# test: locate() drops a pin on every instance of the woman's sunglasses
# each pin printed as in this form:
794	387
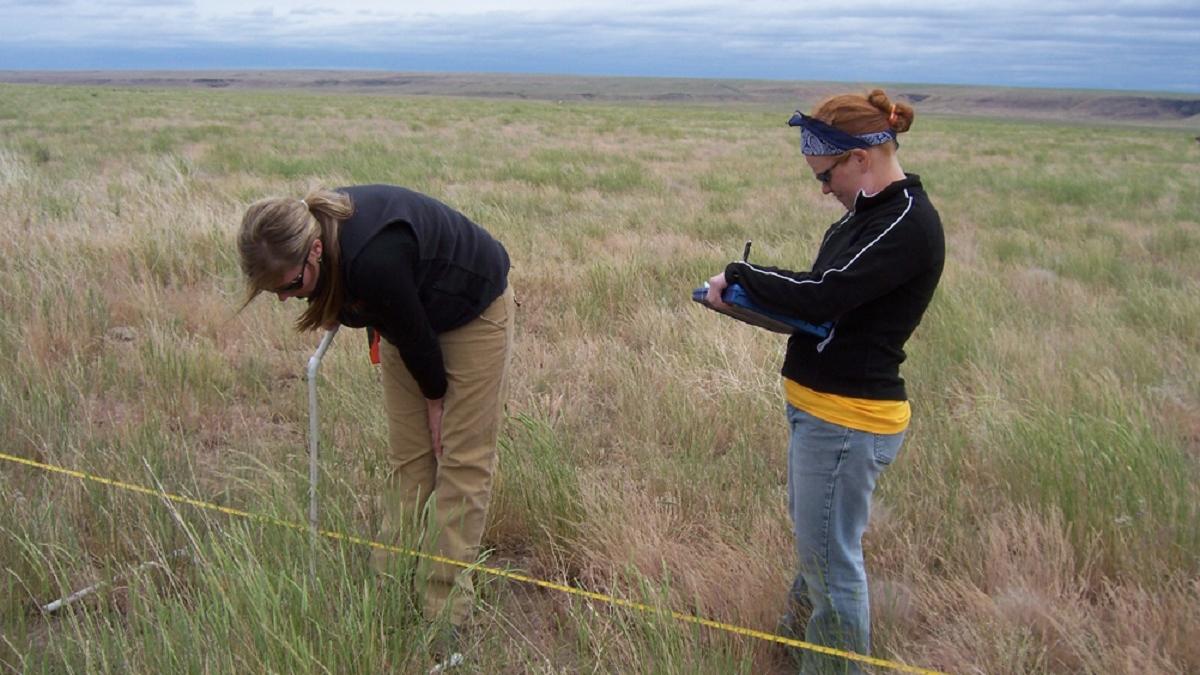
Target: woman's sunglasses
827	175
298	281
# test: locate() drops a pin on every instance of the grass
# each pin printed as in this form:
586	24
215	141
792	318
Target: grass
1042	515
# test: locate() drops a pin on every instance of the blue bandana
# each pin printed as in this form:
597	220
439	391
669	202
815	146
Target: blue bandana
818	139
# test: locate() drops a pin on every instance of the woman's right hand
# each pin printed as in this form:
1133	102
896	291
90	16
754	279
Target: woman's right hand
716	286
434	411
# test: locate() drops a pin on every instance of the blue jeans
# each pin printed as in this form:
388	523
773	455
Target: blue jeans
831	475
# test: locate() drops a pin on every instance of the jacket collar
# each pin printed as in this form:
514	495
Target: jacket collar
866	202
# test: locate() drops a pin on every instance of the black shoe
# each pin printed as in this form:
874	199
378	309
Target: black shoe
454	660
793	621
447	650
792	625
792	628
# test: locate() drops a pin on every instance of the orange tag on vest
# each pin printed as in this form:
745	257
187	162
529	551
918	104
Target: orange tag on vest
373	342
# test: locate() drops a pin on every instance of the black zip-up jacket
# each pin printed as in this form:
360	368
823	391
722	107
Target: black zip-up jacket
414	268
874	275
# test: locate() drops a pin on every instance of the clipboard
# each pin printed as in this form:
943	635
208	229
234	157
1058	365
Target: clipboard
742	308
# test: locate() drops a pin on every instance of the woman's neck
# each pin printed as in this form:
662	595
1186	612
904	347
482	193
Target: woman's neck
884	171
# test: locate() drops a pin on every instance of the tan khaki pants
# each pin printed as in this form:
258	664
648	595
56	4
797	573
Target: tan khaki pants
440	505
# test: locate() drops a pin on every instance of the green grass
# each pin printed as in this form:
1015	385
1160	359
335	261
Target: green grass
1042	515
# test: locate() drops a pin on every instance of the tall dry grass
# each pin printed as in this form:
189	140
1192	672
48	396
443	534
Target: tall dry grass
1041	517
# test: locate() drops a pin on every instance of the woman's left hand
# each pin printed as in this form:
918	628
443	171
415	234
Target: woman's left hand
434	411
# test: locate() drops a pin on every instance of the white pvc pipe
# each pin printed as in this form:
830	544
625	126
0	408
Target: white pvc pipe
314	362
84	592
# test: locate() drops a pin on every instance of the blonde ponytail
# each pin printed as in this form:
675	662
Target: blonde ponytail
277	233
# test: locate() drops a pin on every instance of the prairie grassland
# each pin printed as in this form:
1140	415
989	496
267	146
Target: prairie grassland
1042	517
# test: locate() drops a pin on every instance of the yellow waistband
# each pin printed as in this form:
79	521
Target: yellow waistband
863	414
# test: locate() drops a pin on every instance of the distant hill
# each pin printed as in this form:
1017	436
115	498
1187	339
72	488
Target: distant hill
1067	104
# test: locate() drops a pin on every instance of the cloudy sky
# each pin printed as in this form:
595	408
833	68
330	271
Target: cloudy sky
1147	45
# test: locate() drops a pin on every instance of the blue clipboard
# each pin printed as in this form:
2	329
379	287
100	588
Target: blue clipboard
742	308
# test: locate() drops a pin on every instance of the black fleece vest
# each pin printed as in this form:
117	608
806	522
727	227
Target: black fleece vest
461	268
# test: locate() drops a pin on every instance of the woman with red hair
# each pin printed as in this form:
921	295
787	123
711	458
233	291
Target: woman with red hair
847	407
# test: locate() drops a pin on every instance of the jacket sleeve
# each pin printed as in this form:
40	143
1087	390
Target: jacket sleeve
384	273
886	254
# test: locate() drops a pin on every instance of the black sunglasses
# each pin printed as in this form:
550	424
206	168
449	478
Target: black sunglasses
298	281
827	175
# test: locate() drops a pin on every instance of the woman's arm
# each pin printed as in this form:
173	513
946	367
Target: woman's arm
885	255
382	278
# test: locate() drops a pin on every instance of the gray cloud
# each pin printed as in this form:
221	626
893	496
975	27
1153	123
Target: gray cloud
1051	43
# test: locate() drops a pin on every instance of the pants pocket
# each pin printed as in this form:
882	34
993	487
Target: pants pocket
816	446
499	313
886	447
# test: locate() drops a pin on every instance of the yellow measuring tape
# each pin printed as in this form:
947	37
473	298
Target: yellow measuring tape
494	571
